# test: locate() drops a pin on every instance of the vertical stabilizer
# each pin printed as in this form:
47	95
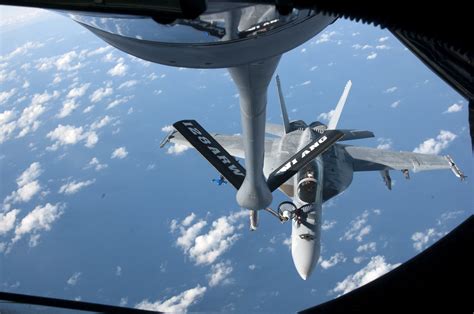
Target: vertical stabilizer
284	113
340	105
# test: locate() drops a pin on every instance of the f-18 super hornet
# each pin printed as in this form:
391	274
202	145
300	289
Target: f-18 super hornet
309	164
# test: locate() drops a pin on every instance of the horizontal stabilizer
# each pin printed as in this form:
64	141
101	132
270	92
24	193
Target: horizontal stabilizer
350	135
302	158
227	165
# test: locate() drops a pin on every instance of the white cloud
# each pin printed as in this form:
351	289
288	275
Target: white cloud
22	50
119	153
390	90
179	303
177	149
206	248
358	228
28	185
362	47
188	220
119	69
99	51
421	239
7	126
372	56
74	187
326	116
118	101
451	109
368	247
374	269
64	62
101	93
7	221
88	109
4	96
68	107
287	242
325	37
303	50
384	143
28	120
188	236
98	124
382	39
118	271
128	84
78	91
72	281
305	83
435	146
167	128
333	260
220	273
40	218
395	104
382	47
94	163
252	266
328	224
64	135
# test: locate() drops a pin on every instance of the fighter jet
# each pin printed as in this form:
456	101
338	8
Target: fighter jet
308	163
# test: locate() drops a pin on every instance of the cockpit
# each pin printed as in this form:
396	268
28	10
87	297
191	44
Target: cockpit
307	186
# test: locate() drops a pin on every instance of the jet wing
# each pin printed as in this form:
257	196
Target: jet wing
372	159
275	129
232	143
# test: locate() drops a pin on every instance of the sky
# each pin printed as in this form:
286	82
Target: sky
92	209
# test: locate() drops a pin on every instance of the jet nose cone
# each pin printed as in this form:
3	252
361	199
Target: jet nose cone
304	267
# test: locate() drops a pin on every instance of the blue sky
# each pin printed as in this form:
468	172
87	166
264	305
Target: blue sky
92	209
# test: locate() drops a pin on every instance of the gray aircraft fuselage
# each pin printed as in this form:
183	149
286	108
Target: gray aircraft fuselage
325	177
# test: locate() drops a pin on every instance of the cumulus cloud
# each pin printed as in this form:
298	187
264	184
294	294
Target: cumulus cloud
118	101
68	107
4	96
39	219
372	56
118	271
28	185
72	281
119	153
78	91
28	121
177	149
64	135
128	84
326	116
65	62
22	50
382	39
333	260
395	104
94	163
382	47
358	228
205	248
220	273
328	224
167	128
179	303
374	269
99	51
74	187
368	247
436	145
101	93
384	143
325	37
421	239
451	109
98	124
390	90
119	69
7	221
